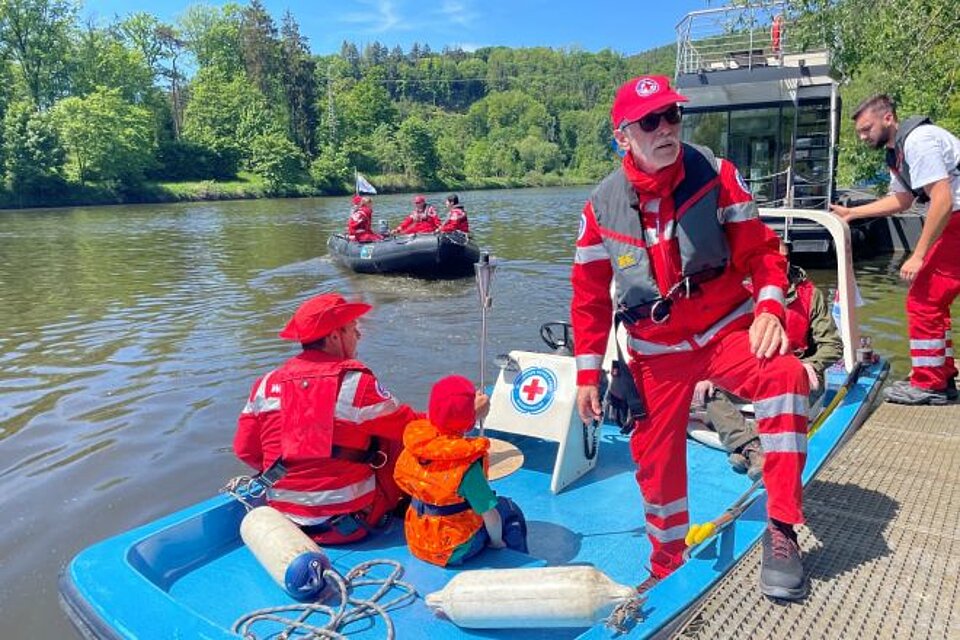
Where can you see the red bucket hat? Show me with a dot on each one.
(640, 96)
(419, 200)
(357, 199)
(451, 409)
(319, 316)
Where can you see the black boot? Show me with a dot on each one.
(781, 572)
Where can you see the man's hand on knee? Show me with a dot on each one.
(767, 336)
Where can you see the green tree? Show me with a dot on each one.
(417, 149)
(107, 138)
(297, 70)
(917, 38)
(33, 156)
(37, 35)
(276, 159)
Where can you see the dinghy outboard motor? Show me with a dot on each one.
(293, 560)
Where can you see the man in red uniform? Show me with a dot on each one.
(360, 225)
(456, 216)
(336, 431)
(924, 163)
(422, 219)
(678, 232)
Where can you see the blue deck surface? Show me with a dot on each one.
(189, 575)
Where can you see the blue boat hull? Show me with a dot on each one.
(189, 575)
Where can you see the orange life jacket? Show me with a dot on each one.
(431, 469)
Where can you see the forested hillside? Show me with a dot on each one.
(230, 102)
(110, 110)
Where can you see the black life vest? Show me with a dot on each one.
(897, 161)
(704, 253)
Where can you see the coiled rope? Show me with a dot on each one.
(247, 490)
(350, 609)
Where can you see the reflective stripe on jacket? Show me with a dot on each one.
(299, 412)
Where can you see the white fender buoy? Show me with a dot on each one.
(543, 597)
(293, 560)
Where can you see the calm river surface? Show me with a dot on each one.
(130, 337)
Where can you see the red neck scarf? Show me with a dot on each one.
(657, 185)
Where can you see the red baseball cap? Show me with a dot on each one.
(357, 199)
(640, 96)
(419, 200)
(319, 316)
(451, 408)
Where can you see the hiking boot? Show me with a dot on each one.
(902, 392)
(781, 572)
(748, 459)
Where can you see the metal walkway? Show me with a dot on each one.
(881, 543)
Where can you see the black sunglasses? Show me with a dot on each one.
(651, 121)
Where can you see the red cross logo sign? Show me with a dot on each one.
(647, 86)
(533, 390)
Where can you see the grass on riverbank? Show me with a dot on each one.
(250, 186)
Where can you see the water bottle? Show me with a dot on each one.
(382, 227)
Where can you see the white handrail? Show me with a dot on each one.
(846, 280)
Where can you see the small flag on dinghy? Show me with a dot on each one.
(364, 186)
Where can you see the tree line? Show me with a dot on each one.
(116, 109)
(228, 90)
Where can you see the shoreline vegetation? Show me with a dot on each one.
(248, 186)
(228, 102)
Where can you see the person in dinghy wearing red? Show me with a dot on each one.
(677, 231)
(360, 224)
(423, 219)
(324, 430)
(453, 513)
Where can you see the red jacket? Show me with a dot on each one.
(303, 409)
(456, 221)
(417, 222)
(694, 321)
(360, 225)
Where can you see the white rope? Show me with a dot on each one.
(349, 610)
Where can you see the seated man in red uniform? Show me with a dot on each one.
(360, 225)
(456, 216)
(422, 219)
(336, 431)
(676, 230)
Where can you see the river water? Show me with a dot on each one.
(131, 335)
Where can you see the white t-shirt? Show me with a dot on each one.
(932, 153)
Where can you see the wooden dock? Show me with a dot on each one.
(881, 544)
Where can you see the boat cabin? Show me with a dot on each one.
(770, 103)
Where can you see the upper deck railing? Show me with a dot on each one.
(742, 37)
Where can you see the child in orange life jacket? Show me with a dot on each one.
(453, 512)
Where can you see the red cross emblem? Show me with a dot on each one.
(533, 389)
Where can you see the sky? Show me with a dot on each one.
(590, 25)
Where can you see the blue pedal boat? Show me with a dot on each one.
(189, 575)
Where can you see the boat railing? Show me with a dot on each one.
(737, 37)
(846, 280)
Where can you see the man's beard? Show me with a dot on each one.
(882, 139)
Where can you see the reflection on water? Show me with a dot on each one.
(131, 335)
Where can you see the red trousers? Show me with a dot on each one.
(928, 311)
(778, 387)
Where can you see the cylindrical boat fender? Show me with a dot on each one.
(574, 596)
(293, 560)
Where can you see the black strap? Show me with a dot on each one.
(427, 509)
(351, 454)
(686, 287)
